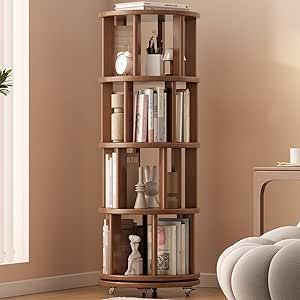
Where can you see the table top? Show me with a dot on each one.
(275, 168)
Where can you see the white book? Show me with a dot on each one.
(161, 115)
(134, 116)
(179, 117)
(179, 255)
(108, 183)
(165, 117)
(141, 118)
(166, 250)
(148, 4)
(183, 249)
(186, 117)
(155, 116)
(149, 93)
(114, 180)
(105, 247)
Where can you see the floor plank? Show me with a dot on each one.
(97, 293)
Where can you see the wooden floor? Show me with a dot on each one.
(97, 293)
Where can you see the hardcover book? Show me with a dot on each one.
(141, 118)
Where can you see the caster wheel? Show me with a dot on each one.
(144, 293)
(111, 291)
(154, 293)
(188, 291)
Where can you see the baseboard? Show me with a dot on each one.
(64, 282)
(47, 284)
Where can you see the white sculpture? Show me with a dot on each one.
(151, 187)
(140, 188)
(135, 260)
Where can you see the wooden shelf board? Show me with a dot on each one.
(112, 13)
(149, 211)
(150, 278)
(149, 145)
(131, 284)
(191, 79)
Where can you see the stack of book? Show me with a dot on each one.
(142, 5)
(150, 116)
(183, 116)
(172, 246)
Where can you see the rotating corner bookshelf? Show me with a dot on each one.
(183, 155)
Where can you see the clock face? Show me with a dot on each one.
(121, 64)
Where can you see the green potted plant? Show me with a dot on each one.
(5, 82)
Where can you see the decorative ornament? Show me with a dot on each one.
(151, 187)
(135, 260)
(140, 188)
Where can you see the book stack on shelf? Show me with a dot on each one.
(172, 246)
(144, 5)
(150, 116)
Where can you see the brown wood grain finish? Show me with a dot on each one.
(150, 278)
(108, 46)
(193, 111)
(191, 178)
(128, 111)
(176, 166)
(148, 145)
(163, 172)
(178, 53)
(121, 20)
(105, 14)
(136, 45)
(114, 242)
(190, 46)
(121, 178)
(149, 211)
(106, 91)
(148, 78)
(154, 246)
(171, 111)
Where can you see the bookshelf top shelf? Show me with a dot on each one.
(112, 13)
(148, 145)
(149, 211)
(149, 78)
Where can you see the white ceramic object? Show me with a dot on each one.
(124, 63)
(295, 156)
(151, 187)
(154, 66)
(140, 188)
(135, 260)
(117, 118)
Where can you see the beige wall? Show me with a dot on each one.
(64, 127)
(249, 115)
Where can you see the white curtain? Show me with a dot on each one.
(14, 133)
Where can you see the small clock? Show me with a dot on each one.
(124, 63)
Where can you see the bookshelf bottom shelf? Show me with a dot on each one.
(148, 281)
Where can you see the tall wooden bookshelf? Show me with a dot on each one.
(184, 45)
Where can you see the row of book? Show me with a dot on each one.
(172, 246)
(150, 116)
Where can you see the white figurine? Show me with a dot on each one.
(151, 187)
(135, 260)
(140, 201)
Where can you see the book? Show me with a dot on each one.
(155, 116)
(149, 93)
(149, 249)
(134, 117)
(150, 5)
(179, 116)
(179, 250)
(105, 243)
(114, 180)
(162, 115)
(108, 182)
(141, 118)
(166, 250)
(186, 116)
